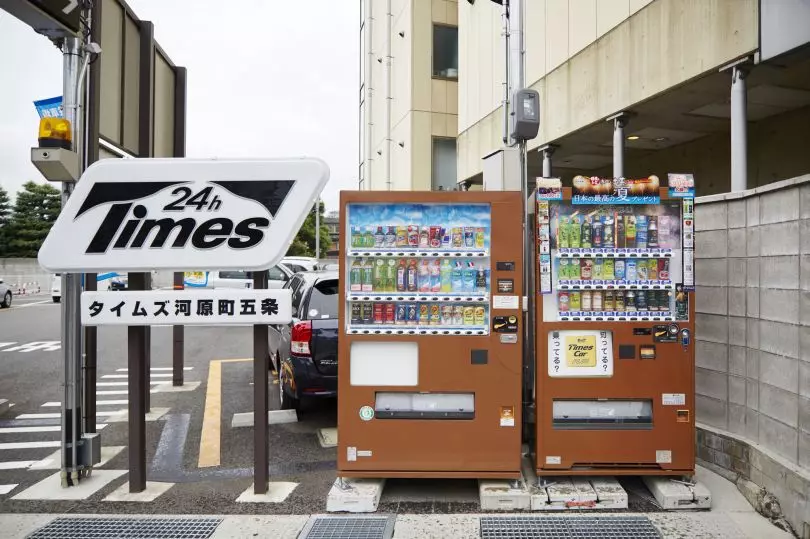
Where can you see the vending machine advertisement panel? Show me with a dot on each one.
(614, 326)
(429, 377)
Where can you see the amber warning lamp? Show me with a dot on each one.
(55, 133)
(54, 156)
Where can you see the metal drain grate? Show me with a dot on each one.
(340, 527)
(567, 528)
(128, 528)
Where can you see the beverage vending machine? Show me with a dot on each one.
(615, 325)
(429, 376)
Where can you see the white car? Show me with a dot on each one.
(5, 295)
(278, 276)
(56, 287)
(300, 263)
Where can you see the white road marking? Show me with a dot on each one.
(125, 376)
(30, 445)
(22, 430)
(157, 369)
(17, 464)
(114, 384)
(44, 346)
(117, 392)
(5, 489)
(101, 413)
(33, 303)
(56, 404)
(4, 344)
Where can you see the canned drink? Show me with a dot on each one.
(597, 301)
(630, 301)
(447, 315)
(562, 301)
(599, 269)
(446, 238)
(435, 314)
(630, 271)
(435, 237)
(587, 300)
(402, 314)
(652, 270)
(586, 269)
(367, 312)
(424, 314)
(413, 314)
(610, 303)
(480, 315)
(641, 270)
(663, 269)
(413, 236)
(641, 301)
(609, 269)
(652, 300)
(458, 315)
(480, 237)
(618, 270)
(402, 236)
(619, 300)
(390, 313)
(663, 300)
(379, 314)
(458, 237)
(574, 301)
(424, 237)
(469, 315)
(469, 237)
(357, 315)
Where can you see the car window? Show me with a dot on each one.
(235, 275)
(276, 274)
(298, 288)
(323, 301)
(296, 268)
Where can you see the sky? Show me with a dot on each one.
(265, 79)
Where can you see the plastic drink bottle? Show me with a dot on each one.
(446, 272)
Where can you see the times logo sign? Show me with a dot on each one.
(175, 214)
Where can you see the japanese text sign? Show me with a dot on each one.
(187, 307)
(596, 190)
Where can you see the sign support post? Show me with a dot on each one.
(138, 373)
(261, 353)
(178, 335)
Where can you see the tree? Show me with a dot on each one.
(36, 209)
(5, 215)
(304, 242)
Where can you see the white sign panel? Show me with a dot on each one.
(174, 214)
(187, 307)
(580, 353)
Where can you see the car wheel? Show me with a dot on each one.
(285, 401)
(7, 300)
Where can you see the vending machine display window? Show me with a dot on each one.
(614, 262)
(418, 269)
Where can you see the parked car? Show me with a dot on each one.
(56, 287)
(300, 263)
(118, 282)
(5, 294)
(304, 352)
(277, 276)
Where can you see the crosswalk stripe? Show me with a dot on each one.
(29, 445)
(17, 464)
(125, 376)
(155, 368)
(118, 402)
(100, 413)
(5, 489)
(114, 384)
(22, 430)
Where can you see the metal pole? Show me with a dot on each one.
(71, 286)
(136, 350)
(318, 229)
(178, 334)
(505, 103)
(261, 352)
(619, 122)
(548, 151)
(389, 85)
(528, 292)
(739, 129)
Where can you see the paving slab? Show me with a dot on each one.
(675, 495)
(168, 388)
(54, 460)
(274, 417)
(275, 526)
(153, 415)
(504, 495)
(277, 492)
(328, 437)
(51, 488)
(152, 491)
(355, 495)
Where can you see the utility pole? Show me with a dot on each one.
(318, 229)
(72, 55)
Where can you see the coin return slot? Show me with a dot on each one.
(396, 405)
(602, 414)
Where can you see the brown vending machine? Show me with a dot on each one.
(429, 376)
(614, 327)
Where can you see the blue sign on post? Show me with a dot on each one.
(50, 108)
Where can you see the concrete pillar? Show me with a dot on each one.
(739, 128)
(620, 121)
(547, 151)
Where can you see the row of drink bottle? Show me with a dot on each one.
(426, 275)
(631, 269)
(417, 314)
(419, 237)
(614, 300)
(616, 231)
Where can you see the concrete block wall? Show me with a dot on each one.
(752, 380)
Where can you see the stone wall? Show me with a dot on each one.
(18, 271)
(753, 331)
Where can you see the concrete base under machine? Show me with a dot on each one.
(674, 494)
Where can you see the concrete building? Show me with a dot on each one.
(408, 94)
(332, 222)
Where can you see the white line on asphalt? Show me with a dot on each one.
(125, 376)
(17, 464)
(33, 303)
(101, 413)
(5, 489)
(21, 430)
(30, 445)
(113, 384)
(124, 392)
(157, 369)
(56, 404)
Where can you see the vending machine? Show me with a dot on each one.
(429, 376)
(614, 327)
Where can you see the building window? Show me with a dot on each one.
(444, 164)
(445, 52)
